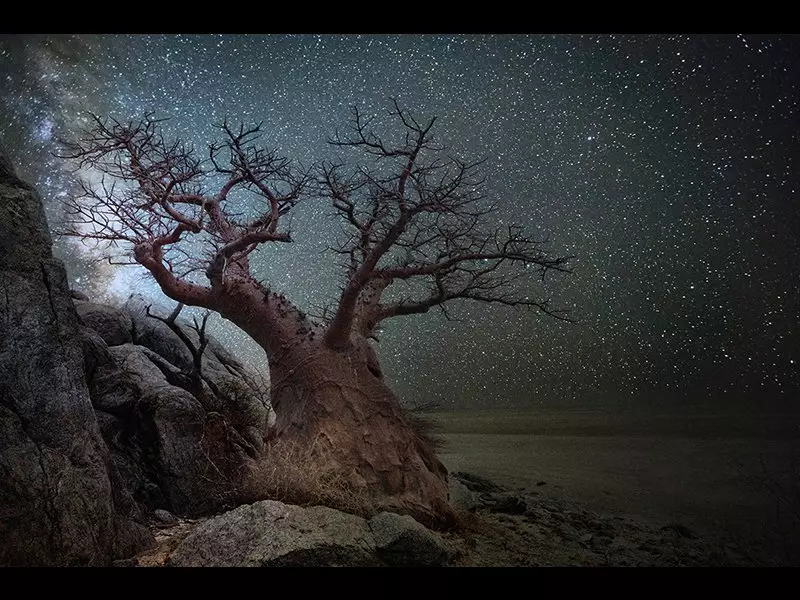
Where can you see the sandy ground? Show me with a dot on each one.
(705, 471)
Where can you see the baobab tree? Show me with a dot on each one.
(419, 236)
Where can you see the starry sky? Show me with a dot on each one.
(666, 164)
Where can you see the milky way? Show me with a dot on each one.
(668, 165)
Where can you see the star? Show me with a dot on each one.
(688, 183)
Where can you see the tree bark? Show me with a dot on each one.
(336, 403)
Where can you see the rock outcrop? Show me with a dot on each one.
(551, 531)
(180, 444)
(59, 502)
(272, 534)
(401, 541)
(520, 527)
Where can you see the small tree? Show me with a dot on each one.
(195, 376)
(413, 216)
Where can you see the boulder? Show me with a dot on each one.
(95, 351)
(273, 534)
(171, 452)
(59, 500)
(461, 497)
(179, 444)
(155, 335)
(113, 324)
(507, 502)
(472, 492)
(401, 541)
(165, 518)
(476, 483)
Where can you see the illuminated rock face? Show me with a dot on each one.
(60, 503)
(180, 443)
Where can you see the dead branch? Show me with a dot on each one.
(154, 194)
(416, 214)
(412, 214)
(196, 350)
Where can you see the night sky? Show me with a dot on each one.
(667, 164)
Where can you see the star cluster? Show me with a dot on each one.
(666, 164)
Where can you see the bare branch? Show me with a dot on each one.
(417, 214)
(196, 350)
(411, 214)
(158, 198)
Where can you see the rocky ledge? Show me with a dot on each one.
(498, 527)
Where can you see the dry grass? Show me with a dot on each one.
(423, 422)
(289, 472)
(468, 522)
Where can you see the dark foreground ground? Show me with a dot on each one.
(517, 528)
(733, 479)
(588, 489)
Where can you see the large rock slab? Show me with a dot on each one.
(273, 534)
(58, 502)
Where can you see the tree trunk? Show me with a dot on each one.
(334, 407)
(336, 404)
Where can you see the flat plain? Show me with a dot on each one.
(733, 473)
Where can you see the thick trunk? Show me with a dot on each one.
(336, 404)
